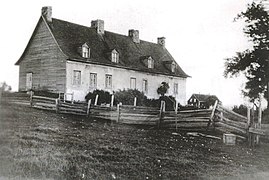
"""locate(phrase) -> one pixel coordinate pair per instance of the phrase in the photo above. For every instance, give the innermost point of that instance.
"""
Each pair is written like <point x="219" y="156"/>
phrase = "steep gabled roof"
<point x="70" y="37"/>
<point x="41" y="19"/>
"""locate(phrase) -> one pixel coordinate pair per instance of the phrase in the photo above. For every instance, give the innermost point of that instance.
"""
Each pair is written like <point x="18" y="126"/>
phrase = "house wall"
<point x="120" y="80"/>
<point x="44" y="59"/>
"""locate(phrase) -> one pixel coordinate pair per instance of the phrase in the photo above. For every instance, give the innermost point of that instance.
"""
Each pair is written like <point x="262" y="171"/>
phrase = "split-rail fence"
<point x="218" y="117"/>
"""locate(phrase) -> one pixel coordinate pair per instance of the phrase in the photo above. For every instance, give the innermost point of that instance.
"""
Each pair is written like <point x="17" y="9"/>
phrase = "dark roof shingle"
<point x="71" y="36"/>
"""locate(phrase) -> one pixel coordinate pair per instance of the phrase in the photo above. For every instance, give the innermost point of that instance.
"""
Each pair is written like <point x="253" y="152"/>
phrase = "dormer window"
<point x="173" y="67"/>
<point x="150" y="63"/>
<point x="115" y="56"/>
<point x="85" y="51"/>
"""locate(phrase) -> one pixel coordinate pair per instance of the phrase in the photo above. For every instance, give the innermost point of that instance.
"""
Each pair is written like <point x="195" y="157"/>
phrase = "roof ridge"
<point x="105" y="30"/>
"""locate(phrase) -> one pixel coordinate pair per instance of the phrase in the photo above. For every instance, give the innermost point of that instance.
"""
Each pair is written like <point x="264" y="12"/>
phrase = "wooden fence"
<point x="104" y="112"/>
<point x="72" y="108"/>
<point x="127" y="114"/>
<point x="190" y="119"/>
<point x="46" y="103"/>
<point x="138" y="115"/>
<point x="219" y="117"/>
<point x="229" y="121"/>
<point x="246" y="127"/>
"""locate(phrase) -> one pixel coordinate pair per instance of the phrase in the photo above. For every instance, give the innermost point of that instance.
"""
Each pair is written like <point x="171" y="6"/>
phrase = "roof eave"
<point x="124" y="67"/>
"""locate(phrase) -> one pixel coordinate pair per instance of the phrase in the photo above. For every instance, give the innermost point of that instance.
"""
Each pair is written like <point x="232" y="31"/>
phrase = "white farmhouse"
<point x="70" y="58"/>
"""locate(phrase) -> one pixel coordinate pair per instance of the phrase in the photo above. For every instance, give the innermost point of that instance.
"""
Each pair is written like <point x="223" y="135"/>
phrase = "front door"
<point x="29" y="81"/>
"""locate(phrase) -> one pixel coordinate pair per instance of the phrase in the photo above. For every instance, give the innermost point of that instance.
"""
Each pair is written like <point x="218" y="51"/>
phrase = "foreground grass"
<point x="38" y="144"/>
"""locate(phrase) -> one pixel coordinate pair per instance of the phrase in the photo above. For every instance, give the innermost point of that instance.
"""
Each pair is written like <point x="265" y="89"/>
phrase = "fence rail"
<point x="196" y="119"/>
<point x="46" y="103"/>
<point x="219" y="117"/>
<point x="229" y="121"/>
<point x="126" y="114"/>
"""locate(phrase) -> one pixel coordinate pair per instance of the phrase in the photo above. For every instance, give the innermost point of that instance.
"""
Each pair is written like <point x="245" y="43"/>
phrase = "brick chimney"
<point x="134" y="34"/>
<point x="46" y="12"/>
<point x="99" y="26"/>
<point x="161" y="41"/>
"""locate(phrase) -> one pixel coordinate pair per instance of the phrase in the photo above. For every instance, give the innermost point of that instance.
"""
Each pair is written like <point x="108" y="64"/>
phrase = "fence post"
<point x="211" y="119"/>
<point x="248" y="116"/>
<point x="31" y="98"/>
<point x="72" y="99"/>
<point x="162" y="108"/>
<point x="135" y="99"/>
<point x="57" y="105"/>
<point x="176" y="114"/>
<point x="118" y="112"/>
<point x="259" y="119"/>
<point x="112" y="100"/>
<point x="248" y="126"/>
<point x="88" y="108"/>
<point x="96" y="99"/>
<point x="252" y="137"/>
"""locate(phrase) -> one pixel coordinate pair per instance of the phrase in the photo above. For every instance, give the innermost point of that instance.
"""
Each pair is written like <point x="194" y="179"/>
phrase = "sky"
<point x="199" y="34"/>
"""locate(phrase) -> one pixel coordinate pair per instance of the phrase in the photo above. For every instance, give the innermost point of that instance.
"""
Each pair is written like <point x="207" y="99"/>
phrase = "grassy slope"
<point x="40" y="144"/>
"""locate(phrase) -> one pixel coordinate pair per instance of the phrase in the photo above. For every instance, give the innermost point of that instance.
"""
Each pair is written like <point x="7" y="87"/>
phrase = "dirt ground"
<point x="36" y="144"/>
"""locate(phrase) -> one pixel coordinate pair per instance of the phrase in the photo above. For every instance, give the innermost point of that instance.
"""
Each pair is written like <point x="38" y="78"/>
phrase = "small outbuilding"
<point x="202" y="101"/>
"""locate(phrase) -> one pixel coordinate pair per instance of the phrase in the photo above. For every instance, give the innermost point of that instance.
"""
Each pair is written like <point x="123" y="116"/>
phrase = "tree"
<point x="254" y="62"/>
<point x="5" y="87"/>
<point x="162" y="90"/>
<point x="242" y="109"/>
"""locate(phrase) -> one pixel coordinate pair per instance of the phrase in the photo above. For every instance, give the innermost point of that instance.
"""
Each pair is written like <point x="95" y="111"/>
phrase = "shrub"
<point x="169" y="102"/>
<point x="127" y="97"/>
<point x="104" y="96"/>
<point x="152" y="103"/>
<point x="5" y="87"/>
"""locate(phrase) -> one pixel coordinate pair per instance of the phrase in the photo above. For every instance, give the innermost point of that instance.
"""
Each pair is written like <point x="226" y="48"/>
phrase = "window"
<point x="108" y="81"/>
<point x="76" y="77"/>
<point x="85" y="51"/>
<point x="176" y="88"/>
<point x="173" y="67"/>
<point x="93" y="80"/>
<point x="133" y="83"/>
<point x="145" y="86"/>
<point x="115" y="56"/>
<point x="150" y="63"/>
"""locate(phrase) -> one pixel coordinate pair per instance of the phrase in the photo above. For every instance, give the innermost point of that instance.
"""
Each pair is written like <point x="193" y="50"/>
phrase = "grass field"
<point x="37" y="144"/>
